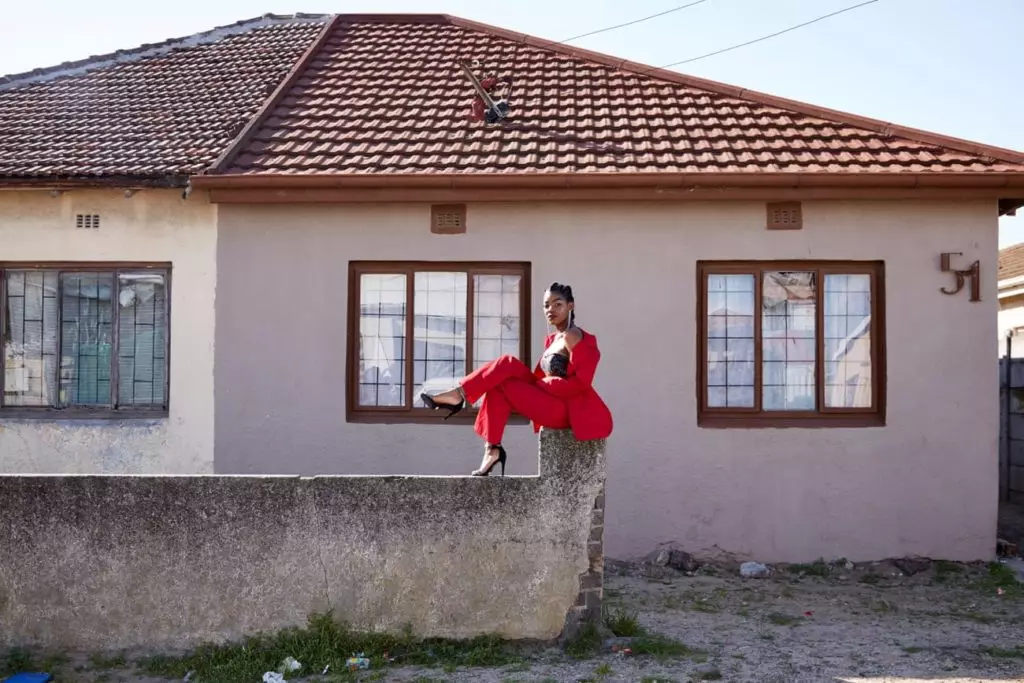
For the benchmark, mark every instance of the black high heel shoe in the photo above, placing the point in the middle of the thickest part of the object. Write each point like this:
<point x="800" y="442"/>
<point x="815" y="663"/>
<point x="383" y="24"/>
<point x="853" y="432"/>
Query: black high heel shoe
<point x="452" y="409"/>
<point x="502" y="455"/>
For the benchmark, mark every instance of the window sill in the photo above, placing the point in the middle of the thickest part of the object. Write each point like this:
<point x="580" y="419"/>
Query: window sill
<point x="55" y="414"/>
<point x="769" y="422"/>
<point x="424" y="417"/>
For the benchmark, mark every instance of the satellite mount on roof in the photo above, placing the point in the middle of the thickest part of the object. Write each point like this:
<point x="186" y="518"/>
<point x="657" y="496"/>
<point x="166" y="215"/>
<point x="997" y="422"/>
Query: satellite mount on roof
<point x="492" y="93"/>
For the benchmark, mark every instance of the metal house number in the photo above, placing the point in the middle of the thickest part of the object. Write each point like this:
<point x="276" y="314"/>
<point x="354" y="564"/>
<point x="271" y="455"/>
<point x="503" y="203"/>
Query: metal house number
<point x="972" y="272"/>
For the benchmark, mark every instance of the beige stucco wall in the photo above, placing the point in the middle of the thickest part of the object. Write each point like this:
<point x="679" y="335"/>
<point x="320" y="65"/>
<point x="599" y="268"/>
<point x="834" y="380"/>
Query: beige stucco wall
<point x="924" y="484"/>
<point x="152" y="225"/>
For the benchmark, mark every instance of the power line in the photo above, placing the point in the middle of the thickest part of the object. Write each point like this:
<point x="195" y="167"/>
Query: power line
<point x="771" y="35"/>
<point x="630" y="23"/>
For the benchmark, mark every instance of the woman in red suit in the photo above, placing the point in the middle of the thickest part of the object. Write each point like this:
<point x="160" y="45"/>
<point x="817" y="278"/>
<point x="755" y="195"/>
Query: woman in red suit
<point x="558" y="394"/>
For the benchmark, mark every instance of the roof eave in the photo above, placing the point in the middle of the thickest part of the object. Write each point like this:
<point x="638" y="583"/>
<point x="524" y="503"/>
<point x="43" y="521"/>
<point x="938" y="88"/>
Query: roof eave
<point x="425" y="188"/>
<point x="1003" y="184"/>
<point x="87" y="182"/>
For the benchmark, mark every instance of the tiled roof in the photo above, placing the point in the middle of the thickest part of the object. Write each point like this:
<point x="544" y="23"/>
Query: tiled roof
<point x="383" y="95"/>
<point x="1011" y="262"/>
<point x="159" y="112"/>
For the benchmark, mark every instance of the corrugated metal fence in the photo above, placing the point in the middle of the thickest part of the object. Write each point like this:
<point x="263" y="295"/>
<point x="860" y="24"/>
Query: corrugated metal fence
<point x="1011" y="427"/>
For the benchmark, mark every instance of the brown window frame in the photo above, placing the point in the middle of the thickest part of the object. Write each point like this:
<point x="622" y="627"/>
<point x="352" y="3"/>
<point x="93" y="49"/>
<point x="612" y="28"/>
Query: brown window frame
<point x="409" y="414"/>
<point x="112" y="410"/>
<point x="821" y="416"/>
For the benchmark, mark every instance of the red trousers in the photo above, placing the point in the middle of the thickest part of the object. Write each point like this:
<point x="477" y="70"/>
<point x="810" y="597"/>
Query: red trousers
<point x="508" y="386"/>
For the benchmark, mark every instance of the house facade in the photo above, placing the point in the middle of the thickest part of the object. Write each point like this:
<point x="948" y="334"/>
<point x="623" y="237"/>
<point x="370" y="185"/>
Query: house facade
<point x="757" y="272"/>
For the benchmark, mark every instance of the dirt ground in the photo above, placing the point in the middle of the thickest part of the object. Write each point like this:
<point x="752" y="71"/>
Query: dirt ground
<point x="828" y="623"/>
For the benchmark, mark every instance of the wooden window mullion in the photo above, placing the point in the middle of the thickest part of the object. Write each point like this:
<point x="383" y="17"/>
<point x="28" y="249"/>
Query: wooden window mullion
<point x="115" y="339"/>
<point x="470" y="294"/>
<point x="819" y="341"/>
<point x="3" y="333"/>
<point x="58" y="380"/>
<point x="410" y="331"/>
<point x="758" y="342"/>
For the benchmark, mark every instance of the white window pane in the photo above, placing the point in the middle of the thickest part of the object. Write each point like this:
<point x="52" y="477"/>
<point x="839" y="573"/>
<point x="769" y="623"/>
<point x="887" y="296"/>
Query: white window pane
<point x="717" y="397"/>
<point x="439" y="331"/>
<point x="142" y="329"/>
<point x="788" y="341"/>
<point x="848" y="341"/>
<point x="30" y="349"/>
<point x="382" y="330"/>
<point x="87" y="336"/>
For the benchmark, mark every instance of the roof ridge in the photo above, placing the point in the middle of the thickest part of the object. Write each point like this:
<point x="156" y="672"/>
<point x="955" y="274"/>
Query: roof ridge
<point x="153" y="49"/>
<point x="834" y="115"/>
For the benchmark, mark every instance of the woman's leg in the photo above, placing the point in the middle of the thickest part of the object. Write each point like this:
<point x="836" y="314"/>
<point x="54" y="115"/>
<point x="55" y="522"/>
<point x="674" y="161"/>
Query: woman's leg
<point x="516" y="395"/>
<point x="483" y="379"/>
<point x="492" y="375"/>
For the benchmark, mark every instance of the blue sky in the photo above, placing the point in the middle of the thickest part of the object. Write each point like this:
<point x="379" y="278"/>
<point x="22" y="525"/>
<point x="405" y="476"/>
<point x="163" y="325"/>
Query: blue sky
<point x="948" y="66"/>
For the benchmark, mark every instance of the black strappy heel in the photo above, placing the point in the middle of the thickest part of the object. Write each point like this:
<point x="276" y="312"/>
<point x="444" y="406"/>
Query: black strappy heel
<point x="502" y="455"/>
<point x="452" y="409"/>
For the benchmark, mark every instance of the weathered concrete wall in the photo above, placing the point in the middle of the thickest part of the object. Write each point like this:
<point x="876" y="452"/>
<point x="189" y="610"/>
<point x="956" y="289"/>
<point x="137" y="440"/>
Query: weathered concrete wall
<point x="766" y="494"/>
<point x="167" y="562"/>
<point x="151" y="226"/>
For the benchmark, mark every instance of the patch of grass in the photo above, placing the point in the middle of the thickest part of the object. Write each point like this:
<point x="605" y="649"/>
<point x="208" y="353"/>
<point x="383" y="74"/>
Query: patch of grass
<point x="882" y="607"/>
<point x="816" y="568"/>
<point x="107" y="662"/>
<point x="586" y="644"/>
<point x="603" y="670"/>
<point x="15" y="660"/>
<point x="913" y="649"/>
<point x="1001" y="576"/>
<point x="780" y="619"/>
<point x="787" y="592"/>
<point x="744" y="612"/>
<point x="325" y="642"/>
<point x="711" y="675"/>
<point x="978" y="617"/>
<point x="946" y="570"/>
<point x="870" y="579"/>
<point x="661" y="647"/>
<point x="1004" y="653"/>
<point x="622" y="623"/>
<point x="706" y="606"/>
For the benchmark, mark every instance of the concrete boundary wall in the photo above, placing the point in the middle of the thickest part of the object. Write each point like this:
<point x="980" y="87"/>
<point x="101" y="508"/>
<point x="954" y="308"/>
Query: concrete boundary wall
<point x="166" y="562"/>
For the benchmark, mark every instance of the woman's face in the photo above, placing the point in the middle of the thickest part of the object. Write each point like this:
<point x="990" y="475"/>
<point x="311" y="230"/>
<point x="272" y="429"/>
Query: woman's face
<point x="556" y="309"/>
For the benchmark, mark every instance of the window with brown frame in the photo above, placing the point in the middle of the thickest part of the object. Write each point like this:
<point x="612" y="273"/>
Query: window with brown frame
<point x="421" y="326"/>
<point x="798" y="343"/>
<point x="84" y="339"/>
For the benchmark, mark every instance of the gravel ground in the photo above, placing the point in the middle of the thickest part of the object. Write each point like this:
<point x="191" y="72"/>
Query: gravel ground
<point x="873" y="624"/>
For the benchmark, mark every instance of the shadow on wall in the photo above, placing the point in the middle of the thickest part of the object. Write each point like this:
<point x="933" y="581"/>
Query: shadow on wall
<point x="167" y="562"/>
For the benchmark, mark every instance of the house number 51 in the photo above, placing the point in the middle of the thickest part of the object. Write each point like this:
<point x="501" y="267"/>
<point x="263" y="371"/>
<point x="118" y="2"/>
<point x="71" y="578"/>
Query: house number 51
<point x="972" y="272"/>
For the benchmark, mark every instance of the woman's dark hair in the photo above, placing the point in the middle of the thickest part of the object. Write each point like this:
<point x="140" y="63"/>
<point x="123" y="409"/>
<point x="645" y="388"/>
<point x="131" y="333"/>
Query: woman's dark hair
<point x="564" y="291"/>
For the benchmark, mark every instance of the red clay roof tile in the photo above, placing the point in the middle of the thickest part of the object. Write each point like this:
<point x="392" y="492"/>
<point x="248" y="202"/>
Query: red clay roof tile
<point x="160" y="112"/>
<point x="383" y="95"/>
<point x="1011" y="262"/>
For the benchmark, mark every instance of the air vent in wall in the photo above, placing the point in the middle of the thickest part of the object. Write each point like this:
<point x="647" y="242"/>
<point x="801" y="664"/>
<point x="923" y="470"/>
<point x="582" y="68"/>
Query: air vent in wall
<point x="785" y="216"/>
<point x="87" y="221"/>
<point x="448" y="219"/>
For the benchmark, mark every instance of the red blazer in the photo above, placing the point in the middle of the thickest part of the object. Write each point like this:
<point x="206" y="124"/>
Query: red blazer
<point x="589" y="417"/>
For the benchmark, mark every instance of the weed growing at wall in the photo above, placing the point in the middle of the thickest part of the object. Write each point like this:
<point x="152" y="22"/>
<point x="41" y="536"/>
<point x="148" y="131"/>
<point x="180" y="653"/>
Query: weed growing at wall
<point x="324" y="643"/>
